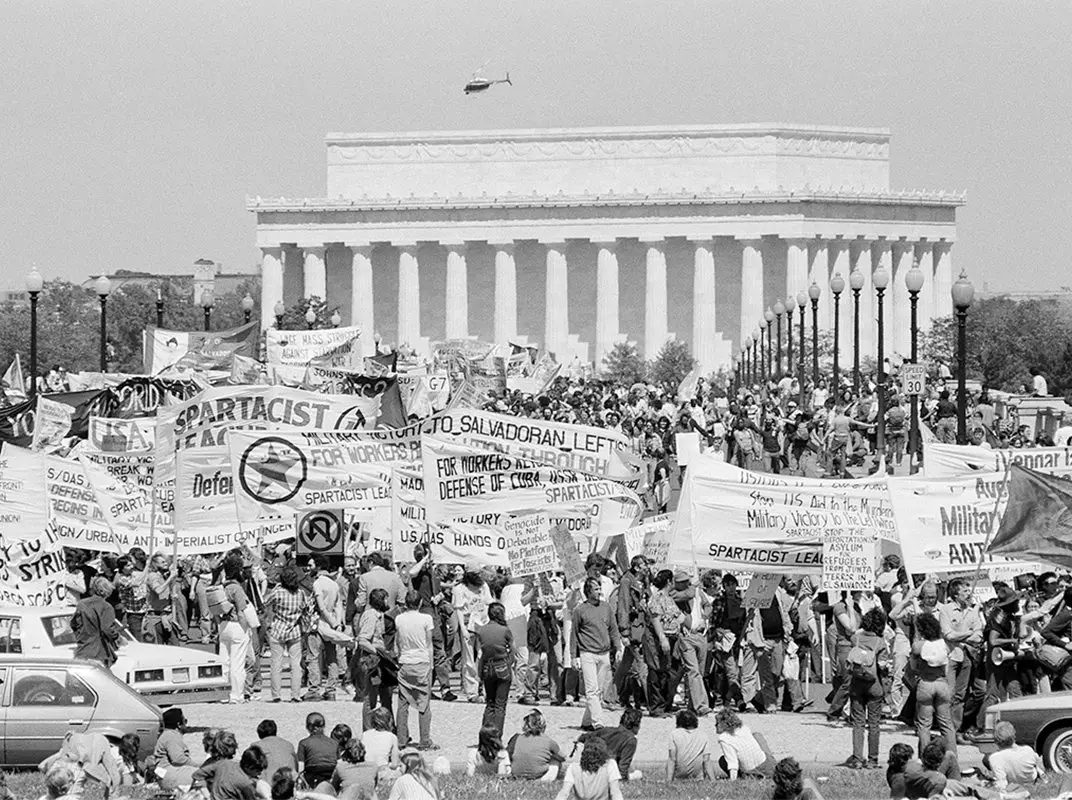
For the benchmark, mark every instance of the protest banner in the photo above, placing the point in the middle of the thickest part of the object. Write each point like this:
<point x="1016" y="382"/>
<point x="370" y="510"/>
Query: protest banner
<point x="52" y="422"/>
<point x="761" y="590"/>
<point x="688" y="447"/>
<point x="480" y="538"/>
<point x="849" y="558"/>
<point x="461" y="482"/>
<point x="22" y="485"/>
<point x="954" y="460"/>
<point x="17" y="421"/>
<point x="110" y="435"/>
<point x="285" y="472"/>
<point x="945" y="522"/>
<point x="328" y="347"/>
<point x="13" y="385"/>
<point x="529" y="545"/>
<point x="466" y="396"/>
<point x="566" y="548"/>
<point x="203" y="350"/>
<point x="597" y="451"/>
<point x="650" y="538"/>
<point x="204" y="420"/>
<point x="125" y="504"/>
<point x="32" y="570"/>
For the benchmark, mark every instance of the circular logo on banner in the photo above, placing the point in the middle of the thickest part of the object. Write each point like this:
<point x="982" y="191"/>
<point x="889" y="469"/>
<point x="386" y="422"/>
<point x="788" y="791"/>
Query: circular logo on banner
<point x="351" y="420"/>
<point x="320" y="532"/>
<point x="272" y="470"/>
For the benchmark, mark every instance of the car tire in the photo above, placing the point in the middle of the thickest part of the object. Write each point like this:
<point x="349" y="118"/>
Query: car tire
<point x="1057" y="751"/>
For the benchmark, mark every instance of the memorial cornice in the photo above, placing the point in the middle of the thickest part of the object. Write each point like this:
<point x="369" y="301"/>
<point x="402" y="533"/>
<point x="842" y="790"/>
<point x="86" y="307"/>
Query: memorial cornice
<point x="608" y="200"/>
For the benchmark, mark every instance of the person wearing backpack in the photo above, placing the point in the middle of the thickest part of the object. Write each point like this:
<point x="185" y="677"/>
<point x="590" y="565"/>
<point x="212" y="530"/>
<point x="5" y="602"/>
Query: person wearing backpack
<point x="868" y="663"/>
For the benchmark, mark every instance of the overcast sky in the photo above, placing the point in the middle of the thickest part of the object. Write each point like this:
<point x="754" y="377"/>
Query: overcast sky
<point x="132" y="132"/>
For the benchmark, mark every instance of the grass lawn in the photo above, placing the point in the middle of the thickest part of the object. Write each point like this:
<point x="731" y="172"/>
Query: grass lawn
<point x="841" y="785"/>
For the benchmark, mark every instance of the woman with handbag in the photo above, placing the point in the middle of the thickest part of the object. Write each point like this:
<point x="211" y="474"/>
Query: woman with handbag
<point x="495" y="666"/>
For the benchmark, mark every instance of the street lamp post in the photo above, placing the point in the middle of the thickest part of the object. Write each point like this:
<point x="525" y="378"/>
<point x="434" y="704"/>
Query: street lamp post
<point x="247" y="307"/>
<point x="914" y="283"/>
<point x="856" y="283"/>
<point x="768" y="317"/>
<point x="279" y="310"/>
<point x="779" y="312"/>
<point x="34" y="284"/>
<point x="802" y="302"/>
<point x="813" y="293"/>
<point x="310" y="318"/>
<point x="790" y="305"/>
<point x="963" y="293"/>
<point x="837" y="286"/>
<point x="336" y="319"/>
<point x="881" y="279"/>
<point x="104" y="288"/>
<point x="757" y="346"/>
<point x="159" y="309"/>
<point x="208" y="299"/>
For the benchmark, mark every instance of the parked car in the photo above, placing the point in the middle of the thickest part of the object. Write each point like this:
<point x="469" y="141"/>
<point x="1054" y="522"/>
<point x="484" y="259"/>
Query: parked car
<point x="43" y="698"/>
<point x="162" y="674"/>
<point x="1043" y="721"/>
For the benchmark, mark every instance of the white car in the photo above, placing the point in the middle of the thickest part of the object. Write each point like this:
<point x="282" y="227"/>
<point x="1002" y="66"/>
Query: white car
<point x="162" y="674"/>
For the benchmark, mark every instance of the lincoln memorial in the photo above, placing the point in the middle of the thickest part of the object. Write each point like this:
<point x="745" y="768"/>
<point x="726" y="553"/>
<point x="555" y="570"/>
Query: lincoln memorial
<point x="577" y="238"/>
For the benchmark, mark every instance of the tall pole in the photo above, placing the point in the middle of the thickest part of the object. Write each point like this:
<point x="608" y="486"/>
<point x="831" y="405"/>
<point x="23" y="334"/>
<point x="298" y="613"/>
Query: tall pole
<point x="790" y="305"/>
<point x="800" y="365"/>
<point x="103" y="333"/>
<point x="836" y="388"/>
<point x="159" y="309"/>
<point x="33" y="344"/>
<point x="880" y="432"/>
<point x="913" y="429"/>
<point x="208" y="318"/>
<point x="778" y="344"/>
<point x="814" y="342"/>
<point x="855" y="341"/>
<point x="962" y="375"/>
<point x="770" y="361"/>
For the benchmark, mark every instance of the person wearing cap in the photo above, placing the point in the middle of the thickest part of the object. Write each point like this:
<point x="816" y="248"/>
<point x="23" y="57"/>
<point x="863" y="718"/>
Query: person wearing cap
<point x="1002" y="625"/>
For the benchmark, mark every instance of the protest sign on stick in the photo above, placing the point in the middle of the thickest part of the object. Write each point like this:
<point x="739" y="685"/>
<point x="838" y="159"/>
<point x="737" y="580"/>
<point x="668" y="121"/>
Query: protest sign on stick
<point x="567" y="552"/>
<point x="761" y="590"/>
<point x="528" y="542"/>
<point x="849" y="561"/>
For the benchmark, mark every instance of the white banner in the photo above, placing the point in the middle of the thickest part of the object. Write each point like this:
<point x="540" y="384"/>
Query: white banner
<point x="280" y="474"/>
<point x="52" y="422"/>
<point x="651" y="538"/>
<point x="32" y="571"/>
<point x="945" y="523"/>
<point x="23" y="512"/>
<point x="953" y="460"/>
<point x="121" y="435"/>
<point x="461" y="482"/>
<point x="477" y="539"/>
<point x="329" y="347"/>
<point x="203" y="421"/>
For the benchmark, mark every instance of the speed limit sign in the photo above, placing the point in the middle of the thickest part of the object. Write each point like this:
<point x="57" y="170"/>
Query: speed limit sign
<point x="913" y="378"/>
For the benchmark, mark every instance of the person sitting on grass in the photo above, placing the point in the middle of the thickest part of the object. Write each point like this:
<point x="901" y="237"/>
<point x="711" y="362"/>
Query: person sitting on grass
<point x="317" y="753"/>
<point x="1012" y="763"/>
<point x="381" y="744"/>
<point x="744" y="754"/>
<point x="171" y="762"/>
<point x="416" y="782"/>
<point x="353" y="774"/>
<point x="488" y="757"/>
<point x="92" y="755"/>
<point x="227" y="780"/>
<point x="131" y="772"/>
<point x="342" y="734"/>
<point x="899" y="758"/>
<point x="924" y="778"/>
<point x="596" y="777"/>
<point x="284" y="787"/>
<point x="622" y="742"/>
<point x="534" y="756"/>
<point x="790" y="783"/>
<point x="690" y="753"/>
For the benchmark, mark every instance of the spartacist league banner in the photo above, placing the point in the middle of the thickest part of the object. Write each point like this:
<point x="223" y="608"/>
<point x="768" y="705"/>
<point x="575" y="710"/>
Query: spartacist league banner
<point x="286" y="472"/>
<point x="461" y="482"/>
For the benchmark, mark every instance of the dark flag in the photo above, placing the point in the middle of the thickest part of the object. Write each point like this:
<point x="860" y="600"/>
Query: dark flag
<point x="17" y="421"/>
<point x="1037" y="523"/>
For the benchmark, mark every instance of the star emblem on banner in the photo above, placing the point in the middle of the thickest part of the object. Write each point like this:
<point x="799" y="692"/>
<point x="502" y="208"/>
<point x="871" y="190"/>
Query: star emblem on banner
<point x="272" y="470"/>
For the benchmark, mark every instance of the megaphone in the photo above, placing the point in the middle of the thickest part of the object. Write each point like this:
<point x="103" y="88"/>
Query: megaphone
<point x="999" y="656"/>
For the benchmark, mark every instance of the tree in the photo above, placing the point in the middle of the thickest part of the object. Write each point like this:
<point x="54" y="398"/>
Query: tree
<point x="623" y="364"/>
<point x="294" y="316"/>
<point x="672" y="364"/>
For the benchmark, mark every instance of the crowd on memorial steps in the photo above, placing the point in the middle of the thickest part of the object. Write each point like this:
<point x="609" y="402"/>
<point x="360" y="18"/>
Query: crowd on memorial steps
<point x="630" y="640"/>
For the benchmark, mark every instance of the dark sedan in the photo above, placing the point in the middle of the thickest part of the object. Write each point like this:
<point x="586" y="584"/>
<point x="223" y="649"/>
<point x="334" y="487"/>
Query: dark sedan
<point x="1043" y="721"/>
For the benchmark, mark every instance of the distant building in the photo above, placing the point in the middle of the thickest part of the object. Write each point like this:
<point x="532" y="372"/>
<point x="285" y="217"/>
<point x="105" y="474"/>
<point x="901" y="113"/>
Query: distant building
<point x="206" y="275"/>
<point x="1061" y="295"/>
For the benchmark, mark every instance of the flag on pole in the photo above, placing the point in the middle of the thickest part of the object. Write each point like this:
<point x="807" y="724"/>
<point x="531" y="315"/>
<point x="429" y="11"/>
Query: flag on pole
<point x="14" y="385"/>
<point x="1037" y="523"/>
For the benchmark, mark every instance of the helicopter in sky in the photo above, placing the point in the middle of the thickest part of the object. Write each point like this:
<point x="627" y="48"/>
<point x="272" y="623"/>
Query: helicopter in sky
<point x="478" y="83"/>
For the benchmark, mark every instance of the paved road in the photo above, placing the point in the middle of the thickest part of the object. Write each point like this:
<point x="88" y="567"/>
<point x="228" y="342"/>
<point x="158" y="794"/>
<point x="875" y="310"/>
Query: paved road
<point x="808" y="737"/>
